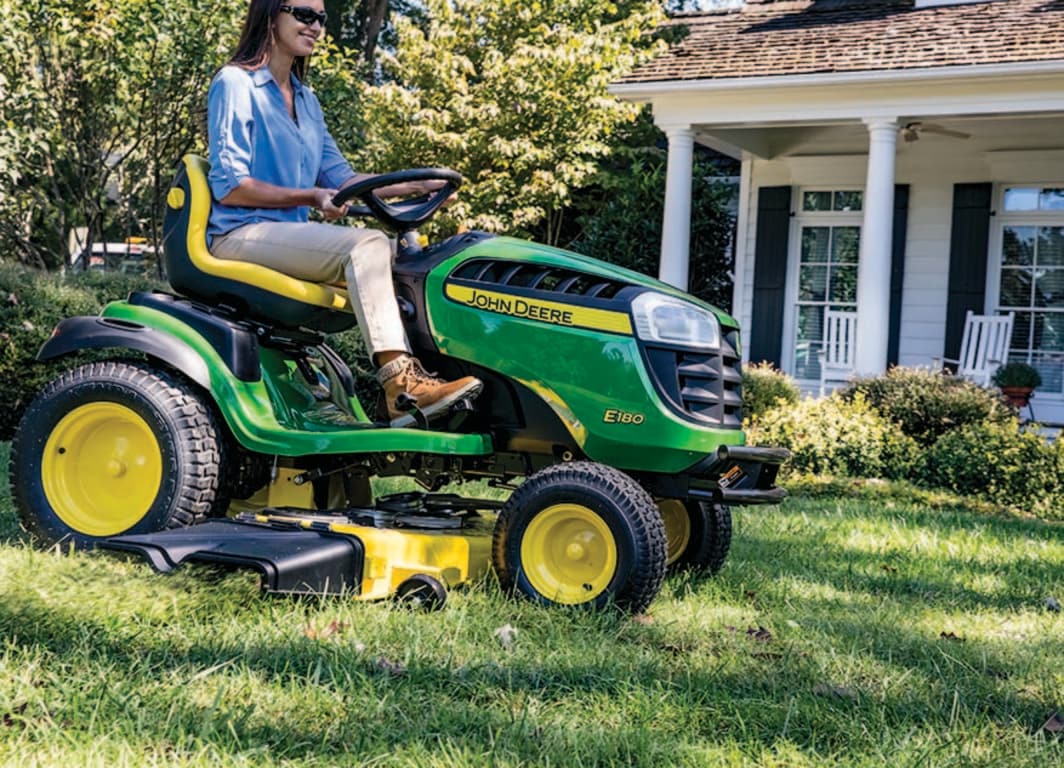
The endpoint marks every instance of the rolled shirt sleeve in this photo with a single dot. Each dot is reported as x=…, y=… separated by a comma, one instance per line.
x=230, y=125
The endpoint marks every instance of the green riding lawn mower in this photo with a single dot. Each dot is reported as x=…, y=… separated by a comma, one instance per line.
x=224, y=430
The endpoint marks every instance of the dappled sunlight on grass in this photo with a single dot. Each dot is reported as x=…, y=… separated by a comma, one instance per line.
x=810, y=591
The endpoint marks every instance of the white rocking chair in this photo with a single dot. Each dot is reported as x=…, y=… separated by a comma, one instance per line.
x=837, y=364
x=984, y=346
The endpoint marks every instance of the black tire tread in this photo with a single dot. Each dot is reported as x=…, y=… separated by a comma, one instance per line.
x=708, y=551
x=642, y=513
x=195, y=425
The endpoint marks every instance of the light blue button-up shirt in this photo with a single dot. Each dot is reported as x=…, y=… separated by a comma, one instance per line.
x=251, y=133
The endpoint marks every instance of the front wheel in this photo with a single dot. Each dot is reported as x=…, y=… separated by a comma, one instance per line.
x=110, y=448
x=581, y=534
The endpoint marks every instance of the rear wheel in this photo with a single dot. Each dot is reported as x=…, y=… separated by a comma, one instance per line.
x=698, y=534
x=110, y=448
x=581, y=534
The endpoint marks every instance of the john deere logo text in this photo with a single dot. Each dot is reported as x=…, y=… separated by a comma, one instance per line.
x=521, y=308
x=552, y=312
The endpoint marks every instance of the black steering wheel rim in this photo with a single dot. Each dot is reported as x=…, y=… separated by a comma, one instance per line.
x=405, y=214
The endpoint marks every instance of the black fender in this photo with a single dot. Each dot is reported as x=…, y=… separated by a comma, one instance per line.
x=86, y=332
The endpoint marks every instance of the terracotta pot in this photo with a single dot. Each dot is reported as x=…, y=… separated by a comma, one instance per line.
x=1017, y=397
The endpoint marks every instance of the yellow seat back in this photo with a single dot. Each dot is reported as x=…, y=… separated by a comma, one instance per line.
x=262, y=293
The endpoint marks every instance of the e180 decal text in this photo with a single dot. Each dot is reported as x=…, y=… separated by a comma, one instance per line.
x=614, y=416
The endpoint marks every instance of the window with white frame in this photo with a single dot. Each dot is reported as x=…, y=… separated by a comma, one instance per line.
x=1027, y=275
x=825, y=270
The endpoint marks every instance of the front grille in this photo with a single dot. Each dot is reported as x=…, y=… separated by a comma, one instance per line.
x=699, y=385
x=539, y=277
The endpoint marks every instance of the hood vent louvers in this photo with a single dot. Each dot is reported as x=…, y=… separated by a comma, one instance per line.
x=539, y=277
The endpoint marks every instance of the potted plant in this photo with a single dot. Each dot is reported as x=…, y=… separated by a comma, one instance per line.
x=1017, y=381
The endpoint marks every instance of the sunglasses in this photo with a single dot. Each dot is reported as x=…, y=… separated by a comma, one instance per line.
x=305, y=15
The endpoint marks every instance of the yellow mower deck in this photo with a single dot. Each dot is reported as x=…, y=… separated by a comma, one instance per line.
x=393, y=555
x=296, y=551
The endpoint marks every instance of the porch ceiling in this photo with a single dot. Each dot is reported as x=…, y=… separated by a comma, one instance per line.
x=986, y=133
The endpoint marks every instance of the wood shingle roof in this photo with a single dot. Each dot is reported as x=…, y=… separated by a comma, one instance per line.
x=804, y=37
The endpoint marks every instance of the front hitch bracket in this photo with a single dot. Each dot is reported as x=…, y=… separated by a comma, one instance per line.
x=733, y=474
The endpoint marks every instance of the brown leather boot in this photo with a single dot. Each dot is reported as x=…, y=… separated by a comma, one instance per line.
x=433, y=395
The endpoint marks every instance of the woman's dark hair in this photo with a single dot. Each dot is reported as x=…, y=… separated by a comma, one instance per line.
x=256, y=38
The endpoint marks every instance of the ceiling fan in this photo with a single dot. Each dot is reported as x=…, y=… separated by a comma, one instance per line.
x=912, y=131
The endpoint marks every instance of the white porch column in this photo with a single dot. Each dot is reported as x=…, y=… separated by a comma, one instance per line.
x=676, y=227
x=873, y=275
x=742, y=299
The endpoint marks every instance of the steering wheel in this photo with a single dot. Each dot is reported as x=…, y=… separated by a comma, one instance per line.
x=402, y=215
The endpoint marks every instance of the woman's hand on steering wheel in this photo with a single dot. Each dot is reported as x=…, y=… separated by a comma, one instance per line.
x=323, y=201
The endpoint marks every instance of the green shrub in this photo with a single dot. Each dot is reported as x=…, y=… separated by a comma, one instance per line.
x=31, y=304
x=1017, y=469
x=101, y=288
x=836, y=436
x=926, y=404
x=766, y=387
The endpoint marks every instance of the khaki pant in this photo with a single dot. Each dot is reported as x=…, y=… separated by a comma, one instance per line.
x=323, y=253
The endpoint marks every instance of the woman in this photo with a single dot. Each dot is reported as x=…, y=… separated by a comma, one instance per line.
x=272, y=159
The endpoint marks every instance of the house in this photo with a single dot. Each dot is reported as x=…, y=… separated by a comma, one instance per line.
x=903, y=159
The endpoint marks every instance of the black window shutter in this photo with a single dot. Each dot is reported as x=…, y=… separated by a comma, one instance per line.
x=897, y=269
x=770, y=273
x=967, y=259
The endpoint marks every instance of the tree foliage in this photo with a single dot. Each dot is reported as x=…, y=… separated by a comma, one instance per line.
x=106, y=95
x=98, y=101
x=618, y=217
x=512, y=93
x=359, y=27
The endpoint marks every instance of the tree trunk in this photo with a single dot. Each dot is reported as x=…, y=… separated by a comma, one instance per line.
x=376, y=12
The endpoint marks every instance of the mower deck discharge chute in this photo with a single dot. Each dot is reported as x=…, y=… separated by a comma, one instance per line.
x=611, y=407
x=289, y=560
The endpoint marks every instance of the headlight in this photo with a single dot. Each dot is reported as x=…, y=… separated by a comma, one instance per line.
x=670, y=320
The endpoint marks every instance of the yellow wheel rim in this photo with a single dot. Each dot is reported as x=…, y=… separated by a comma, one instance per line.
x=677, y=528
x=101, y=469
x=568, y=554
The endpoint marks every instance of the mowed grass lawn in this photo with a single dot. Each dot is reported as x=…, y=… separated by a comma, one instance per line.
x=881, y=628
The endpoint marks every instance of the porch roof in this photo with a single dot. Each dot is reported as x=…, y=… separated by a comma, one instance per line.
x=805, y=37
